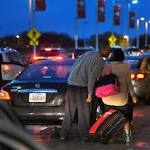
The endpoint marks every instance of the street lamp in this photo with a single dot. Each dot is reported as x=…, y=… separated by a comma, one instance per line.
x=129, y=4
x=134, y=1
x=146, y=32
x=146, y=24
x=31, y=4
x=138, y=31
x=17, y=36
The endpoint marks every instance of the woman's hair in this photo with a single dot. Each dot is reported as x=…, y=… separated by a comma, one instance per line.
x=117, y=55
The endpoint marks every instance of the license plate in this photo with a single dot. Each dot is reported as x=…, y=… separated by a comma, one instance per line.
x=37, y=97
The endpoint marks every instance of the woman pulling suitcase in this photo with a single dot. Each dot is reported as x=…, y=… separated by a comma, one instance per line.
x=121, y=100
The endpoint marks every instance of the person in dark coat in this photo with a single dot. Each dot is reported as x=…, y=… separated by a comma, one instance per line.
x=80, y=88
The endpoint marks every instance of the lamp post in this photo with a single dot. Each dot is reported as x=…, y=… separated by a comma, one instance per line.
x=138, y=31
x=96, y=35
x=129, y=4
x=76, y=26
x=17, y=37
x=146, y=32
x=32, y=19
x=134, y=1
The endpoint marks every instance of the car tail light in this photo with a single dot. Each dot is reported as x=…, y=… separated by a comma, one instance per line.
x=38, y=57
x=4, y=95
x=48, y=49
x=72, y=55
x=137, y=76
x=6, y=67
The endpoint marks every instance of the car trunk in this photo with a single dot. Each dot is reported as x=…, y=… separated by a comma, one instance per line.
x=37, y=94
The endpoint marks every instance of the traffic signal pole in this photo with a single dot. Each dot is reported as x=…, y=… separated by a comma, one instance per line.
x=76, y=27
x=96, y=35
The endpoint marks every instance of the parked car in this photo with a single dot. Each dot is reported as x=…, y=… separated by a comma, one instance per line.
x=140, y=75
x=9, y=71
x=49, y=53
x=76, y=52
x=141, y=80
x=11, y=55
x=38, y=93
x=132, y=51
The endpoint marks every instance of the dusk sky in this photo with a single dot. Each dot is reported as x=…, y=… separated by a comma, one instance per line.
x=59, y=16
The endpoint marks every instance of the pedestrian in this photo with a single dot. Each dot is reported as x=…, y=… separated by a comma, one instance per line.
x=121, y=101
x=80, y=88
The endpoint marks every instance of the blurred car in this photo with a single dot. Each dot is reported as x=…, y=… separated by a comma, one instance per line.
x=140, y=75
x=80, y=50
x=132, y=51
x=49, y=53
x=11, y=55
x=38, y=94
x=141, y=80
x=9, y=126
x=132, y=59
x=9, y=71
x=9, y=140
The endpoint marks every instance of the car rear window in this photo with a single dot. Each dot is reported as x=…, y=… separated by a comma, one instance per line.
x=45, y=72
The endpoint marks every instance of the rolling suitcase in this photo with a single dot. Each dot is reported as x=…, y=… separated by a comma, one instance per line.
x=107, y=125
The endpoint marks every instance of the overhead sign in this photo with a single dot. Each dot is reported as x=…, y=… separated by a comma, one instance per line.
x=112, y=40
x=34, y=35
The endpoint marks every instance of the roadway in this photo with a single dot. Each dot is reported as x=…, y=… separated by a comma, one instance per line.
x=141, y=131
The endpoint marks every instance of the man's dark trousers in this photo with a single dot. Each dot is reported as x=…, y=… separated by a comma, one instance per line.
x=76, y=102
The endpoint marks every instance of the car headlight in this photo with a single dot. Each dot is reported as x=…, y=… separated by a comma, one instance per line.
x=57, y=101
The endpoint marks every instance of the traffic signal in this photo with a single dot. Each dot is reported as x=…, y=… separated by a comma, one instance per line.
x=117, y=14
x=131, y=19
x=101, y=10
x=40, y=5
x=81, y=9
